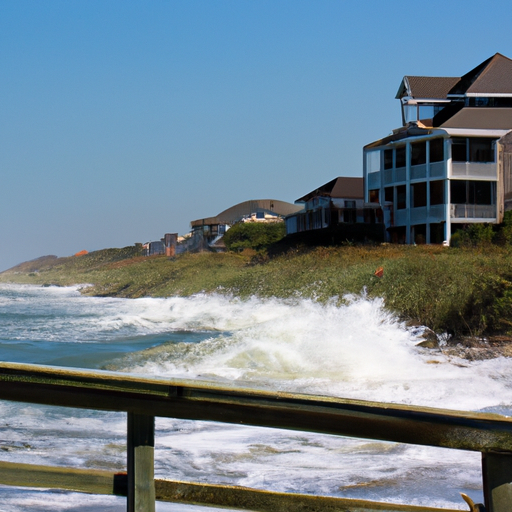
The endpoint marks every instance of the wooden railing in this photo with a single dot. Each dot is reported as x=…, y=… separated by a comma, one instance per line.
x=144, y=399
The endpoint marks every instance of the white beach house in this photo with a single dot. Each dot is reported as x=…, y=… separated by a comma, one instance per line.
x=450, y=163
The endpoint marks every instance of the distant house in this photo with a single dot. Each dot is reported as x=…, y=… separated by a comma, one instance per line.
x=166, y=245
x=450, y=164
x=334, y=212
x=207, y=233
x=154, y=248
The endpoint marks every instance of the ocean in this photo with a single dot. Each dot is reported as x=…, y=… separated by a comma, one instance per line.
x=352, y=350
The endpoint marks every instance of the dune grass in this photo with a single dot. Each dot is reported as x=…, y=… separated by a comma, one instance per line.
x=464, y=291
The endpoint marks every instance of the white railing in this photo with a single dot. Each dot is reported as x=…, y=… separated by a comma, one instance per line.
x=475, y=170
x=473, y=211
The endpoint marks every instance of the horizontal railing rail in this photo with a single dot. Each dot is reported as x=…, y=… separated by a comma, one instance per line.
x=146, y=398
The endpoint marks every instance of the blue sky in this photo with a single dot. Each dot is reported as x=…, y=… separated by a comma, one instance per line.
x=122, y=120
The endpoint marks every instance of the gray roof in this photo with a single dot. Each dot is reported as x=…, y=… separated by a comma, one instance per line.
x=238, y=211
x=348, y=188
x=480, y=118
x=493, y=76
x=426, y=87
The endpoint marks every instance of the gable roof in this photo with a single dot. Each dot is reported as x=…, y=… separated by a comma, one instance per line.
x=493, y=76
x=236, y=212
x=348, y=188
x=426, y=87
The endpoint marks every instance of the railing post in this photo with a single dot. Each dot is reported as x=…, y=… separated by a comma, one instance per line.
x=497, y=481
x=141, y=463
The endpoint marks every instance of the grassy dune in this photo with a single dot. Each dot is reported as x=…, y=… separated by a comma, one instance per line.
x=465, y=291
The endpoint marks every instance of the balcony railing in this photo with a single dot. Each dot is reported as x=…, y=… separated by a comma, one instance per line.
x=475, y=170
x=473, y=211
x=373, y=180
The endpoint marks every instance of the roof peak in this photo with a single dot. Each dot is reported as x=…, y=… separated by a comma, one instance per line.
x=492, y=76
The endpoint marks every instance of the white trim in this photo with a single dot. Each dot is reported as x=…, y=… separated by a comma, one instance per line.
x=489, y=94
x=415, y=101
x=472, y=132
x=473, y=220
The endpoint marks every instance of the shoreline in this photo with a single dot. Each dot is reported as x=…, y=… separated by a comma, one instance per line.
x=467, y=293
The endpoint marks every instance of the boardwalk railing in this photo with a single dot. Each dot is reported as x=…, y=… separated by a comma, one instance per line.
x=144, y=399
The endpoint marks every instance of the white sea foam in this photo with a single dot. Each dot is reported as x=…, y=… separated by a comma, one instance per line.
x=355, y=349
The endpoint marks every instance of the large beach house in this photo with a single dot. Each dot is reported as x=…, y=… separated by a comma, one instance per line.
x=450, y=162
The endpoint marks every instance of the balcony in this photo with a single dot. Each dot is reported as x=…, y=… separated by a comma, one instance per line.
x=437, y=170
x=418, y=172
x=473, y=211
x=475, y=170
x=437, y=213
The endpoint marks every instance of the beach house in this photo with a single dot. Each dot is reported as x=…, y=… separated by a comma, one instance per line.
x=449, y=164
x=207, y=233
x=336, y=212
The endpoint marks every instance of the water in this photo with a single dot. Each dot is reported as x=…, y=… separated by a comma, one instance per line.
x=356, y=350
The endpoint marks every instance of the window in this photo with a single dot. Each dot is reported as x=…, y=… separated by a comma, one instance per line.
x=458, y=194
x=418, y=195
x=437, y=192
x=481, y=150
x=473, y=149
x=459, y=150
x=401, y=197
x=388, y=159
x=373, y=161
x=400, y=156
x=489, y=102
x=436, y=150
x=388, y=194
x=418, y=153
x=425, y=111
x=472, y=192
x=374, y=196
x=481, y=192
x=420, y=111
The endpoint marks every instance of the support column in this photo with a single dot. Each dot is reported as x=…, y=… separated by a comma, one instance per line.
x=141, y=463
x=408, y=152
x=497, y=480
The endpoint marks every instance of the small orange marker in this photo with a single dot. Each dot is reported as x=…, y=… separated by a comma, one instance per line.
x=379, y=272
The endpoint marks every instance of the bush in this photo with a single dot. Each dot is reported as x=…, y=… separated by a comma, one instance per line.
x=474, y=235
x=253, y=235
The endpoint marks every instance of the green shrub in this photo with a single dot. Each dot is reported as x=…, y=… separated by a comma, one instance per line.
x=474, y=235
x=460, y=239
x=253, y=235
